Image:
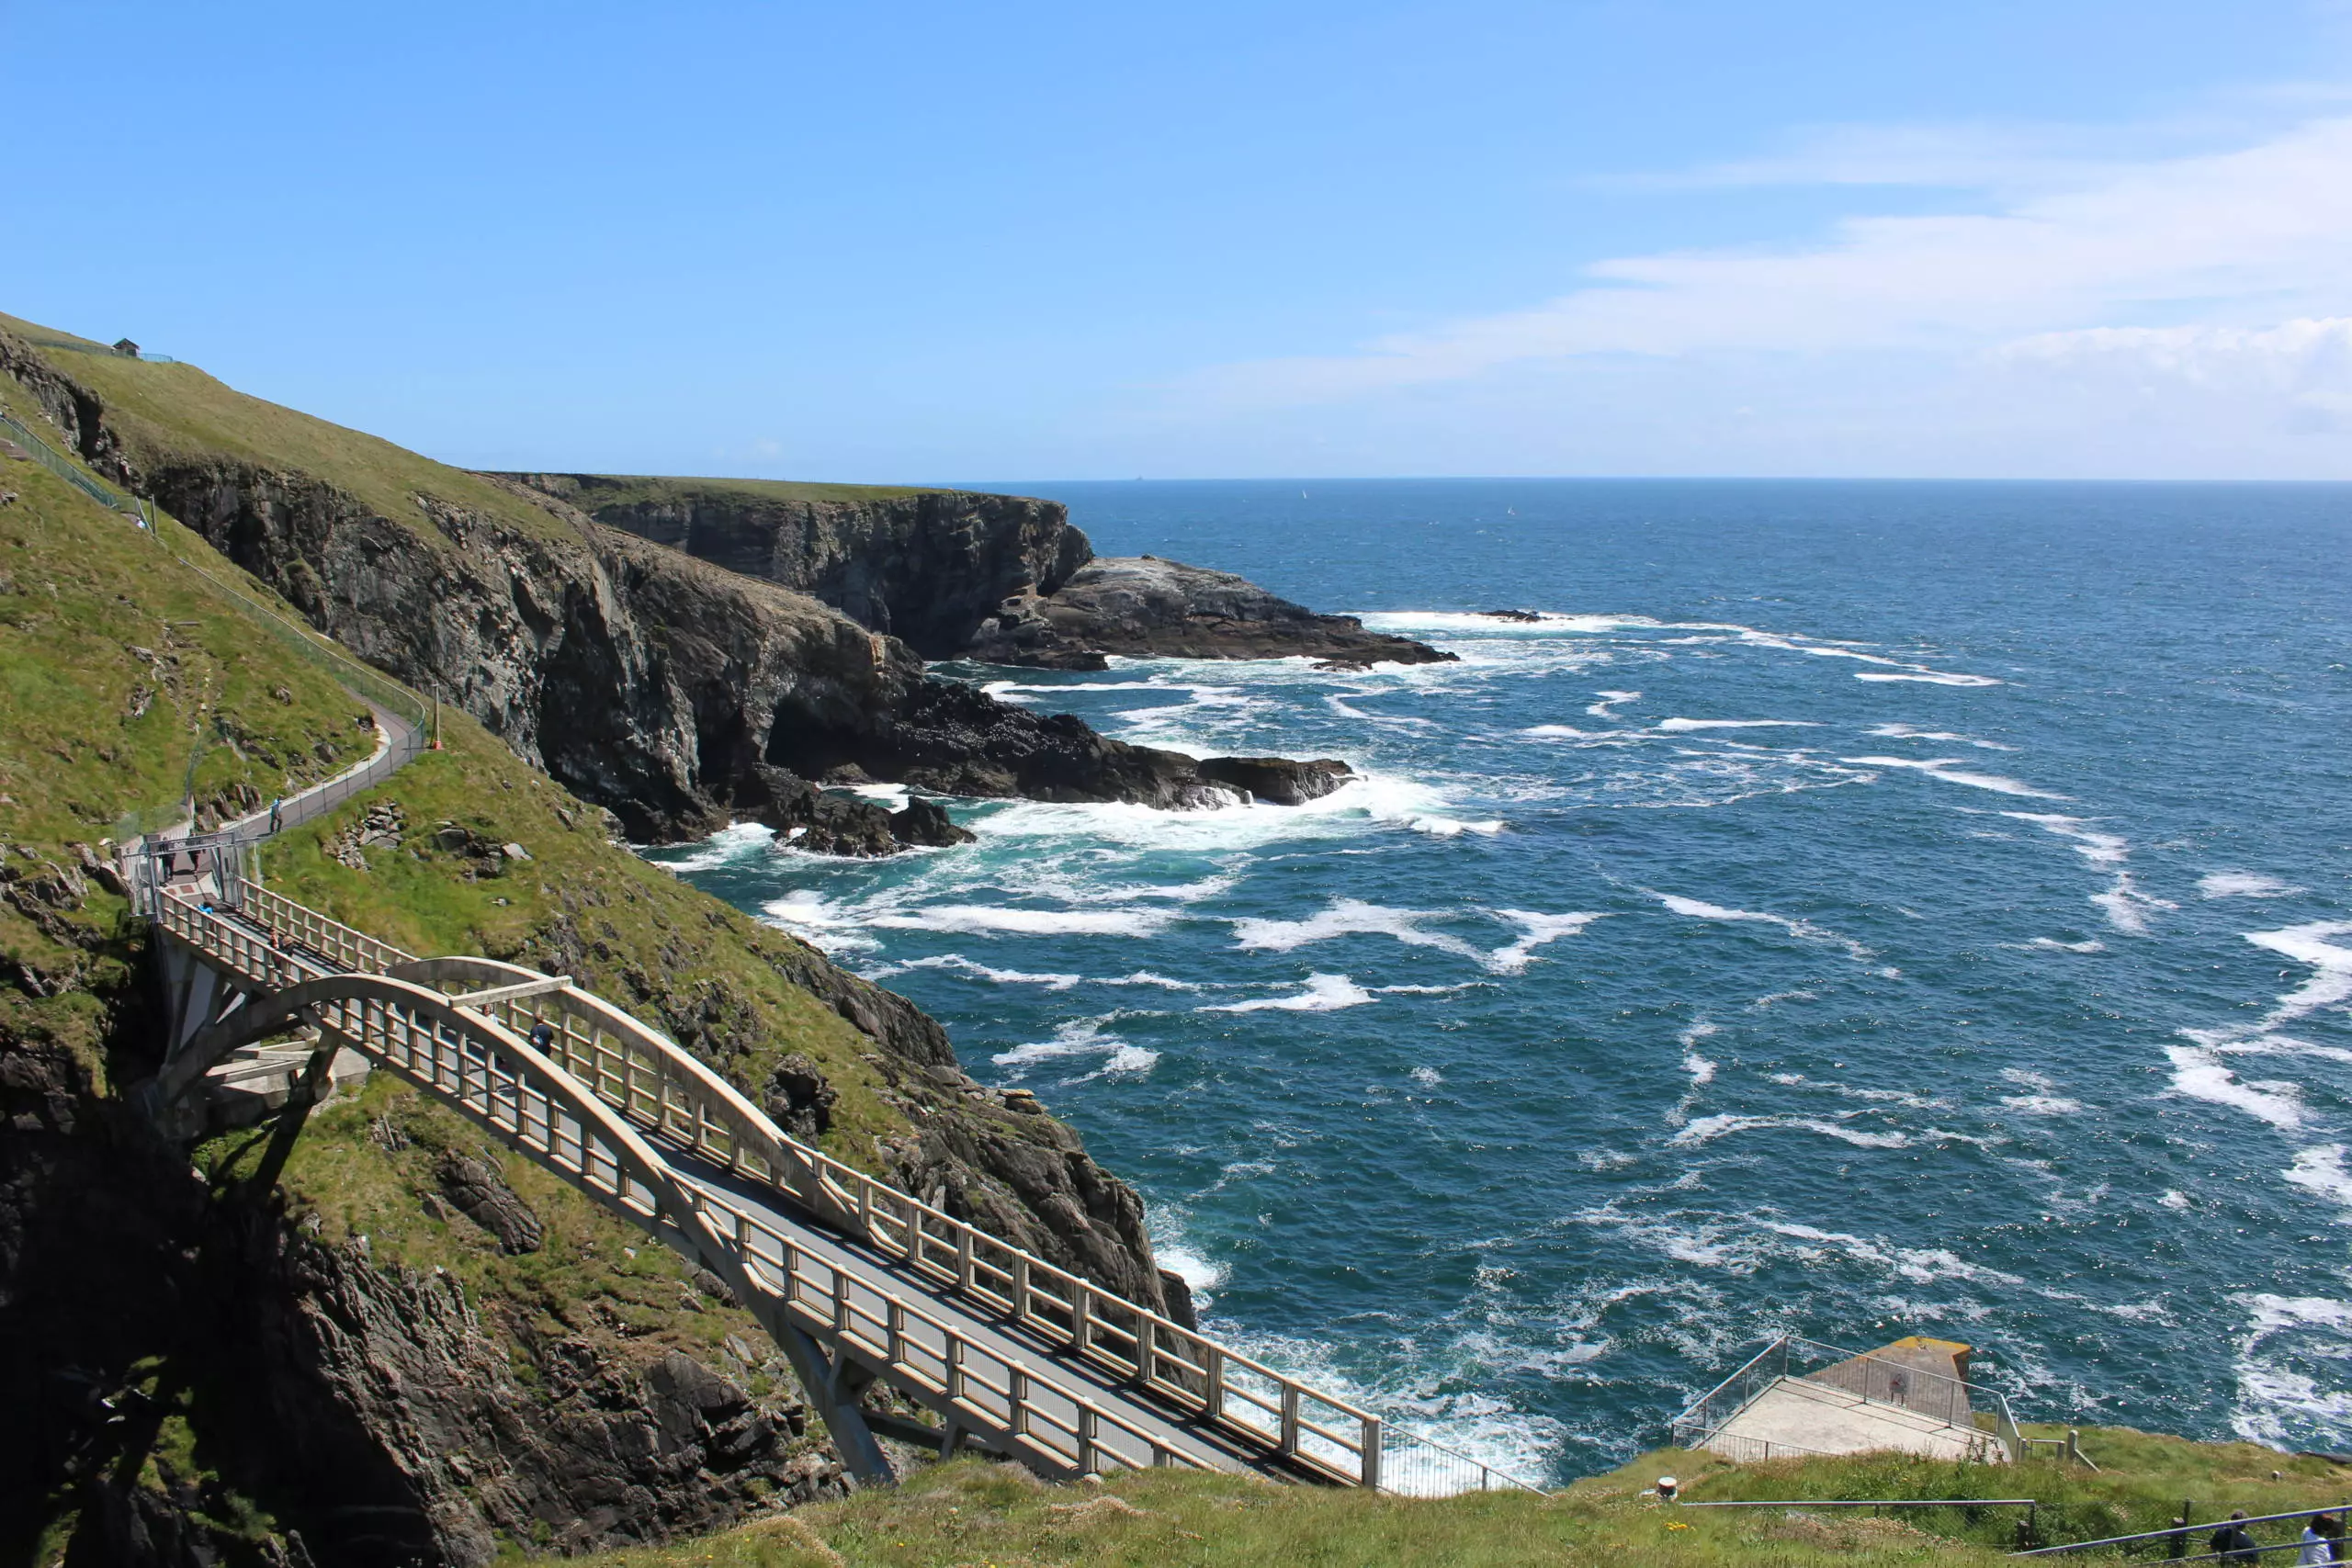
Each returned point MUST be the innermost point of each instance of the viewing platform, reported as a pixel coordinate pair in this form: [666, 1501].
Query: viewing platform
[1911, 1395]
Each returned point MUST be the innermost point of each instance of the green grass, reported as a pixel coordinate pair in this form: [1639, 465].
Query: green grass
[634, 489]
[91, 730]
[2142, 1481]
[365, 1167]
[976, 1513]
[714, 978]
[176, 413]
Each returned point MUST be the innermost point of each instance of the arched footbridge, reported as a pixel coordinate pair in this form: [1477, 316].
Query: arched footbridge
[858, 1283]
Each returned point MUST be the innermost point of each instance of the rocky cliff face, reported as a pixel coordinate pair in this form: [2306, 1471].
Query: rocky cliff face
[676, 693]
[210, 1385]
[927, 567]
[1002, 579]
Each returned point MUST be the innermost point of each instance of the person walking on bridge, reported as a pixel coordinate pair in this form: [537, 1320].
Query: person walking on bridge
[276, 813]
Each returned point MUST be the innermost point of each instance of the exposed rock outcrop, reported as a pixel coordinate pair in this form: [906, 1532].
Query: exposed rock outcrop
[1149, 608]
[998, 578]
[927, 567]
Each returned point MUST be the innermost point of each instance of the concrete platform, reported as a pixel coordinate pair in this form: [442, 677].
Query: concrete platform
[1800, 1415]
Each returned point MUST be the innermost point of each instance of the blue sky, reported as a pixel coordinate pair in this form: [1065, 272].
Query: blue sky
[2072, 238]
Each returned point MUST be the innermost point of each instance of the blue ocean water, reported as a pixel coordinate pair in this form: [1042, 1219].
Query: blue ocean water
[1856, 909]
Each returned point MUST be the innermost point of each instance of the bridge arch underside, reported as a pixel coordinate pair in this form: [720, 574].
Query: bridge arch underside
[846, 1313]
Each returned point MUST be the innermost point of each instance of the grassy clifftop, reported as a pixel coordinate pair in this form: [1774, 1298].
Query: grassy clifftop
[638, 490]
[975, 1513]
[169, 412]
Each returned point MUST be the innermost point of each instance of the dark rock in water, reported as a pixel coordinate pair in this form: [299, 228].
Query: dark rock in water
[1343, 666]
[951, 739]
[1149, 608]
[480, 1192]
[1278, 781]
[927, 822]
[1528, 615]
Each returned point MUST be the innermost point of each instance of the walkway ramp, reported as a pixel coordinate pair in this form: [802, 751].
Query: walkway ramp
[858, 1281]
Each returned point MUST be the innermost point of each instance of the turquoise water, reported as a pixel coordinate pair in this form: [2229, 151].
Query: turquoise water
[1856, 909]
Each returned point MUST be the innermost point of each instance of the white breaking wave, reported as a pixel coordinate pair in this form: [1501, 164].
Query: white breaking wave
[2243, 885]
[2126, 907]
[1540, 928]
[1083, 1037]
[2198, 1073]
[2052, 945]
[1350, 917]
[1909, 732]
[2331, 980]
[1947, 768]
[1927, 678]
[1701, 1070]
[2321, 1169]
[2099, 849]
[1684, 726]
[724, 847]
[1707, 1129]
[1324, 993]
[1921, 1265]
[984, 919]
[2278, 1406]
[1610, 700]
[1427, 1077]
[818, 921]
[1804, 930]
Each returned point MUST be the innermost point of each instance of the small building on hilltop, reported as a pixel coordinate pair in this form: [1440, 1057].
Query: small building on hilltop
[125, 346]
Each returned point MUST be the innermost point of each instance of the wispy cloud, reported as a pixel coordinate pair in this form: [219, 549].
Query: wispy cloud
[2255, 240]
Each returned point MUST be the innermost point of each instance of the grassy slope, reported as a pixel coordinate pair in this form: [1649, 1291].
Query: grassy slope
[84, 589]
[79, 587]
[168, 412]
[582, 905]
[977, 1512]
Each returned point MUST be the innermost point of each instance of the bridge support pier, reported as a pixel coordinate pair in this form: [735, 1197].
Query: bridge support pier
[833, 1385]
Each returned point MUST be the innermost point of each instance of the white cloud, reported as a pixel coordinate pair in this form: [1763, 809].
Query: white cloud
[2303, 367]
[2200, 246]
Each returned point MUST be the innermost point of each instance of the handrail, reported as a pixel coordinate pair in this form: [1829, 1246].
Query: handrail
[2182, 1529]
[649, 1081]
[1220, 1384]
[500, 1079]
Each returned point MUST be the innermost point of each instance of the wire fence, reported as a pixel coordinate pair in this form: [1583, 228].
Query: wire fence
[57, 463]
[1414, 1466]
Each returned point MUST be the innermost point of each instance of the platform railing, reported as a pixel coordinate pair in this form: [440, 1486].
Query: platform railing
[1879, 1380]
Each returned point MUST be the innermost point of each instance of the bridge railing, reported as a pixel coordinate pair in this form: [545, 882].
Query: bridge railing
[502, 1081]
[658, 1086]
